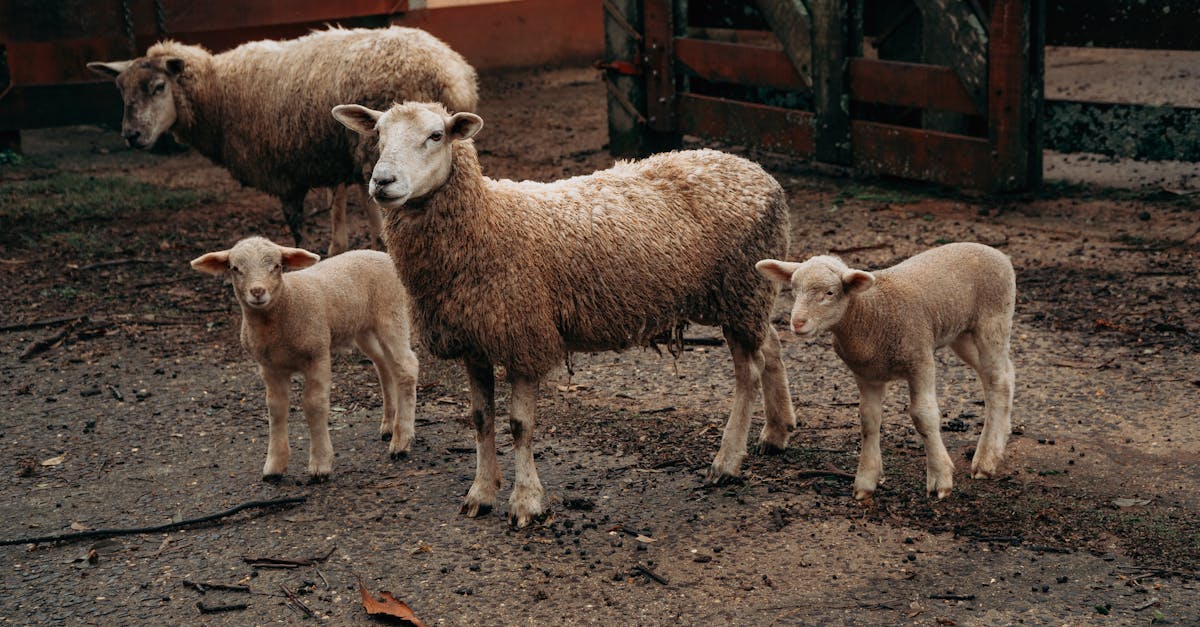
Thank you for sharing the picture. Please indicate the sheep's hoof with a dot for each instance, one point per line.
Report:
(716, 478)
(273, 478)
(386, 437)
(315, 479)
(864, 495)
(521, 521)
(767, 448)
(475, 510)
(398, 455)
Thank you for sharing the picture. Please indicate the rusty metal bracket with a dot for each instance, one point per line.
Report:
(625, 68)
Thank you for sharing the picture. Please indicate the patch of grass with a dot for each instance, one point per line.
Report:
(8, 157)
(74, 197)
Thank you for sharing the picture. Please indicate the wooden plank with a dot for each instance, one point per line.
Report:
(182, 16)
(1011, 126)
(1123, 130)
(738, 63)
(831, 99)
(658, 34)
(792, 25)
(922, 155)
(953, 22)
(1153, 24)
(37, 106)
(628, 133)
(768, 127)
(909, 85)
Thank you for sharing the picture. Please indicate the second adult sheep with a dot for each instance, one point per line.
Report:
(261, 110)
(520, 274)
(886, 326)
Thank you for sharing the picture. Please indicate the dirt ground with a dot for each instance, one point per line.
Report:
(148, 412)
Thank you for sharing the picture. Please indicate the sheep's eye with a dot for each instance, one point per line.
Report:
(829, 293)
(437, 136)
(158, 89)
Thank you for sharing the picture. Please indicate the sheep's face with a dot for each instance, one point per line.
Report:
(822, 287)
(255, 267)
(147, 86)
(415, 147)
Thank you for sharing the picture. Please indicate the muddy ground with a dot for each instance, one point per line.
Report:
(148, 411)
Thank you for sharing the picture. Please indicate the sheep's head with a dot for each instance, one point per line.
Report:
(147, 86)
(255, 267)
(822, 287)
(415, 147)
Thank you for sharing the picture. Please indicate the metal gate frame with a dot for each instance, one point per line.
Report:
(861, 112)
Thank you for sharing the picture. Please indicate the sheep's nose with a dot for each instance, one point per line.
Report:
(383, 180)
(257, 292)
(131, 136)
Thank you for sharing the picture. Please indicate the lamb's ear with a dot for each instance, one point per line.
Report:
(212, 263)
(357, 117)
(777, 270)
(296, 258)
(174, 66)
(109, 68)
(856, 281)
(463, 125)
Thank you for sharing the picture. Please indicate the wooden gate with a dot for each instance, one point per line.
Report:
(937, 90)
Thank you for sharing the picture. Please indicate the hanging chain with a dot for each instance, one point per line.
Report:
(160, 18)
(129, 26)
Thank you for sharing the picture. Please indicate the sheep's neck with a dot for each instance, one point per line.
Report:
(200, 103)
(860, 334)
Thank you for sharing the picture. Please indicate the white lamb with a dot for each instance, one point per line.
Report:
(291, 322)
(887, 325)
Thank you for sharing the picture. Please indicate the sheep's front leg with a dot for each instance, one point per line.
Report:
(374, 217)
(293, 215)
(316, 412)
(339, 242)
(746, 374)
(481, 498)
(870, 460)
(922, 391)
(278, 451)
(526, 500)
(777, 400)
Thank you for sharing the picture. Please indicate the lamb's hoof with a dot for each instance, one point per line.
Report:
(318, 478)
(717, 478)
(767, 448)
(273, 478)
(517, 521)
(938, 491)
(398, 455)
(475, 510)
(864, 495)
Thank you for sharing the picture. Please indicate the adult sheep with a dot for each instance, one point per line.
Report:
(261, 110)
(520, 274)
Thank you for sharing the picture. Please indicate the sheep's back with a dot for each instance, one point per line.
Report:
(277, 97)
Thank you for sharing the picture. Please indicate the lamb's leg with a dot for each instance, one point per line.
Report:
(374, 217)
(339, 242)
(777, 400)
(870, 460)
(404, 382)
(922, 392)
(293, 215)
(278, 451)
(316, 412)
(747, 378)
(525, 503)
(995, 371)
(372, 347)
(481, 498)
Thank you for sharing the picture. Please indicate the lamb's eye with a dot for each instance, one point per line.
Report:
(235, 270)
(278, 267)
(436, 136)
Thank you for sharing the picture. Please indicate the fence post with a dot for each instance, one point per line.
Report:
(1014, 89)
(831, 95)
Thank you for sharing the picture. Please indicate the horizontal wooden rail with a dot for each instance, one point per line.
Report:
(909, 85)
(745, 123)
(738, 63)
(912, 153)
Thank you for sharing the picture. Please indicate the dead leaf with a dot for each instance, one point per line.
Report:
(78, 526)
(1121, 503)
(389, 606)
(54, 461)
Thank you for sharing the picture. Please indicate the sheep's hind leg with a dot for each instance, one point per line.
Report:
(870, 460)
(339, 242)
(525, 503)
(481, 498)
(278, 451)
(370, 345)
(374, 217)
(747, 376)
(293, 215)
(995, 369)
(922, 392)
(777, 400)
(316, 412)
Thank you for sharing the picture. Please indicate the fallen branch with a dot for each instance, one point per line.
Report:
(275, 562)
(802, 473)
(651, 574)
(213, 609)
(37, 324)
(117, 262)
(105, 533)
(205, 587)
(40, 346)
(953, 597)
(296, 601)
(858, 249)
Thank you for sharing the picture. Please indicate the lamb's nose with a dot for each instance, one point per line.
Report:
(131, 136)
(798, 324)
(257, 292)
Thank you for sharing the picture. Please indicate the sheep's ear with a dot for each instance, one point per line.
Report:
(856, 281)
(174, 66)
(777, 270)
(357, 117)
(109, 68)
(463, 125)
(296, 258)
(212, 263)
